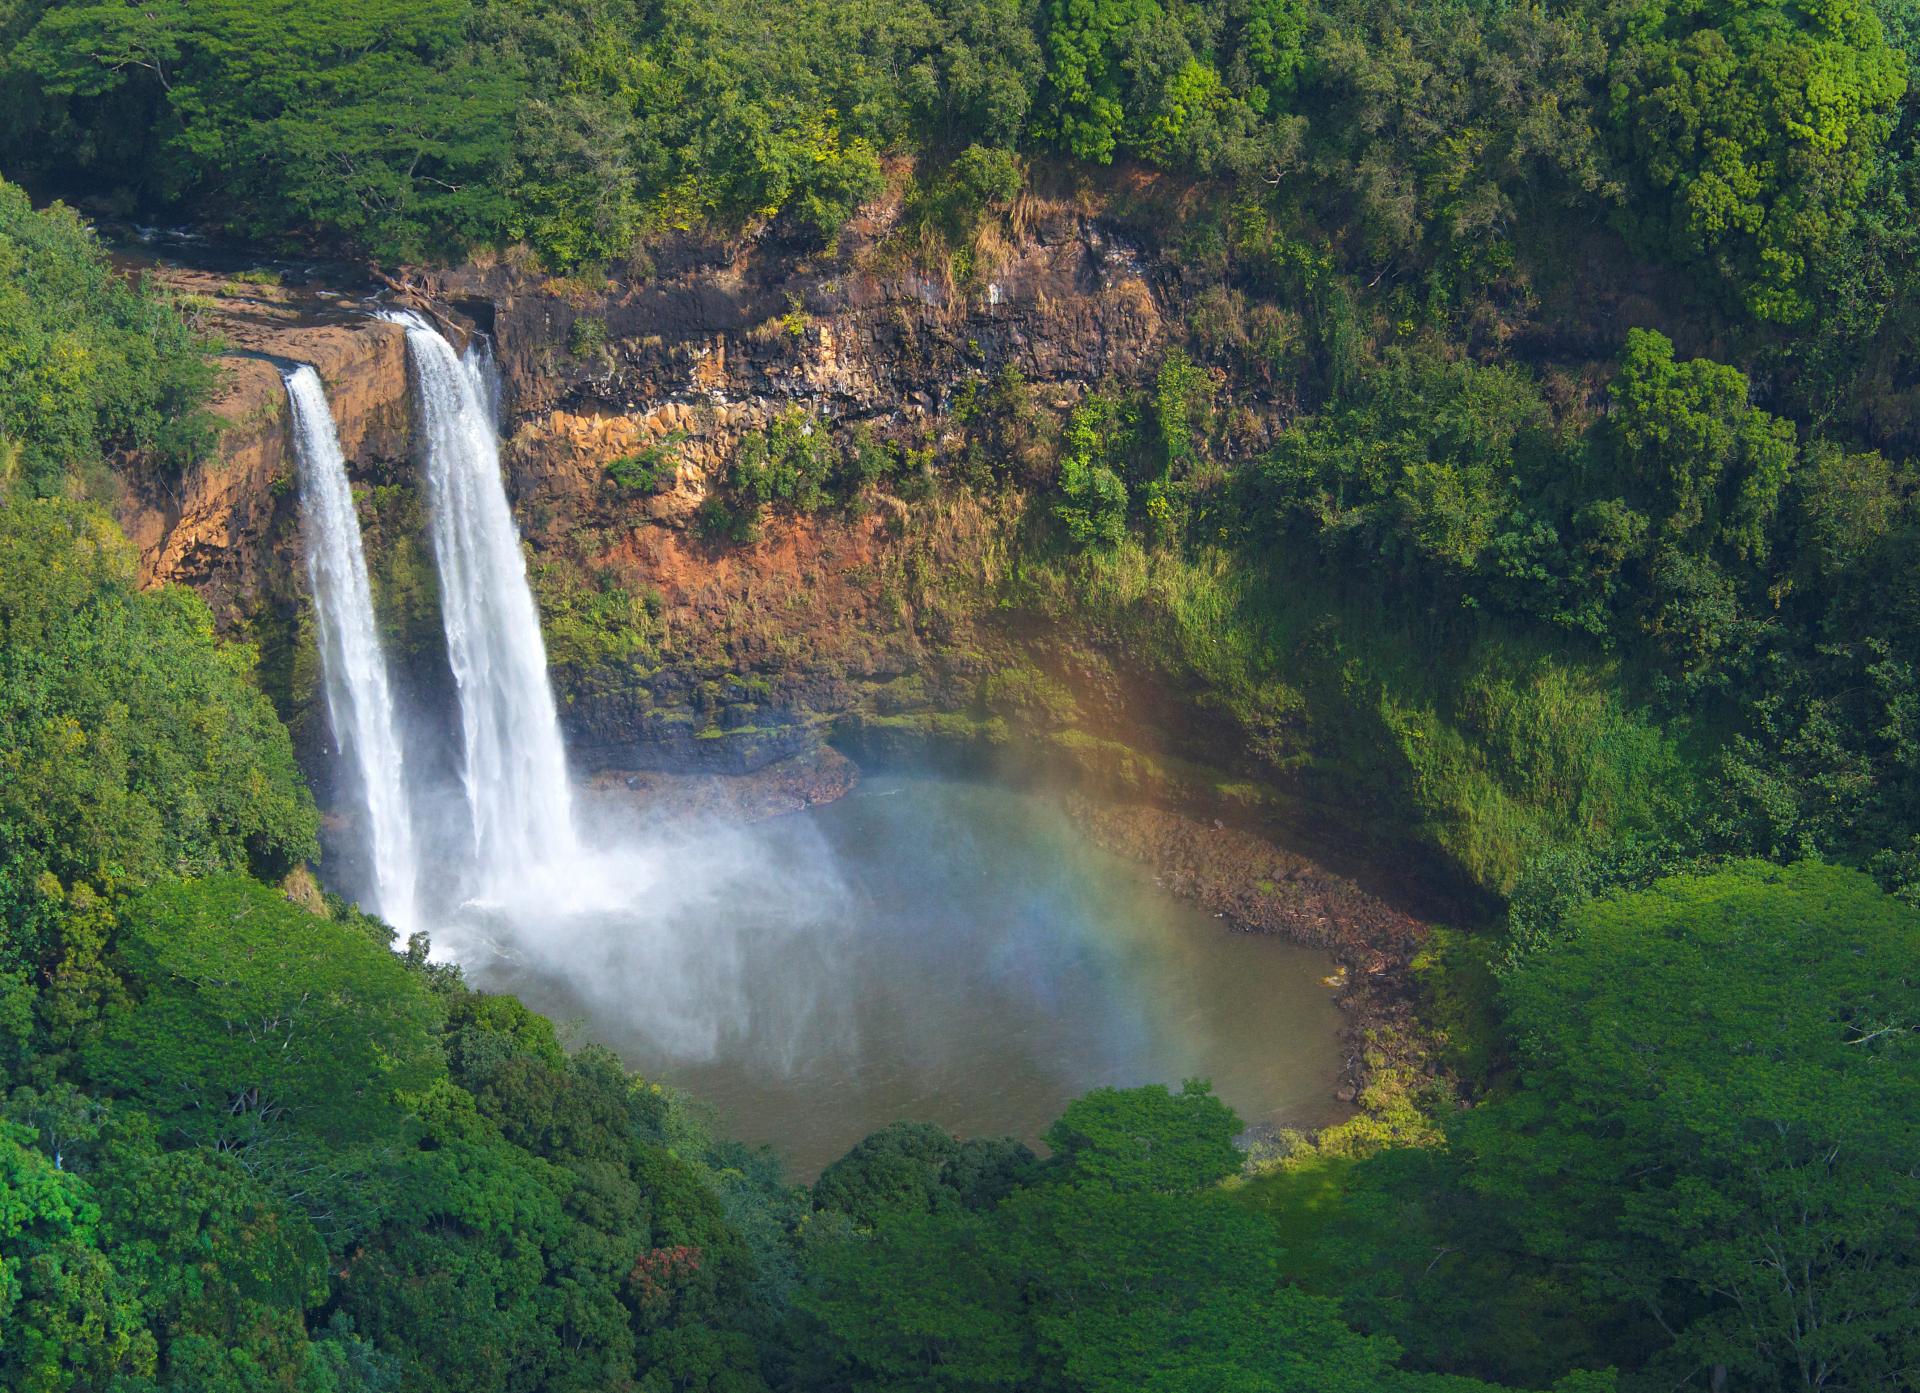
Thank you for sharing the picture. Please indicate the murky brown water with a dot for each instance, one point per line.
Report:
(949, 952)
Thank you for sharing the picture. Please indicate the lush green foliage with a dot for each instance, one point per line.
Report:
(406, 129)
(1757, 124)
(1715, 1108)
(88, 364)
(1643, 527)
(1698, 1172)
(1422, 502)
(289, 1157)
(259, 1020)
(380, 123)
(1755, 139)
(798, 464)
(135, 746)
(915, 1168)
(1116, 1265)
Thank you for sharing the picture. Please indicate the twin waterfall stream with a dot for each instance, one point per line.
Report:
(514, 771)
(516, 767)
(922, 949)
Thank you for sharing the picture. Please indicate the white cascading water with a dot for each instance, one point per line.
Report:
(354, 671)
(646, 922)
(516, 767)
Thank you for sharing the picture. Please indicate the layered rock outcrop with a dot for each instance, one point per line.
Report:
(215, 528)
(753, 650)
(871, 627)
(699, 353)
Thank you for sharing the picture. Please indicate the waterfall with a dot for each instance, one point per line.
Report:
(359, 697)
(516, 767)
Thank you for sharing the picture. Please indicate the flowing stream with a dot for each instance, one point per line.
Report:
(515, 772)
(354, 670)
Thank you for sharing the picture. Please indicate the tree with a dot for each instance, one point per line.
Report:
(1756, 125)
(1093, 506)
(89, 364)
(1702, 472)
(1147, 1139)
(371, 121)
(66, 1319)
(223, 1274)
(1086, 40)
(931, 1301)
(136, 745)
(1177, 1293)
(915, 1167)
(1705, 464)
(1132, 77)
(1432, 129)
(1120, 1268)
(977, 81)
(1721, 1102)
(256, 1022)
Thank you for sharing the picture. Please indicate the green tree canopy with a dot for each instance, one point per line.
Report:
(1122, 1268)
(1147, 1139)
(1757, 123)
(915, 1167)
(136, 745)
(1721, 1103)
(1705, 464)
(373, 121)
(89, 364)
(1133, 77)
(253, 1018)
(67, 1320)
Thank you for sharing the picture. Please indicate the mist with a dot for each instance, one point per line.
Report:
(701, 939)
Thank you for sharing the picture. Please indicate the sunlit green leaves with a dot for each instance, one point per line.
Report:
(255, 1021)
(1757, 122)
(88, 363)
(1722, 1101)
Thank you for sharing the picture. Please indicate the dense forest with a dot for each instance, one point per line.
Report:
(1621, 625)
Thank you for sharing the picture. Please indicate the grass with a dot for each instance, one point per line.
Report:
(1487, 744)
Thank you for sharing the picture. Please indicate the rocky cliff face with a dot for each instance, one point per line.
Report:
(758, 649)
(702, 351)
(672, 647)
(217, 529)
(1070, 303)
(873, 626)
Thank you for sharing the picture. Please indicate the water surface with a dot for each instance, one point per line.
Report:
(943, 951)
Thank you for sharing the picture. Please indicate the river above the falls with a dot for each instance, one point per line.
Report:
(924, 949)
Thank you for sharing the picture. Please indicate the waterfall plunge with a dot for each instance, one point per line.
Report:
(516, 768)
(359, 697)
(649, 922)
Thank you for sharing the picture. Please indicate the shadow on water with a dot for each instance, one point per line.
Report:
(925, 948)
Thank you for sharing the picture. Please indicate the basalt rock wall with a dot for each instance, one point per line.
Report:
(221, 526)
(869, 625)
(711, 344)
(759, 649)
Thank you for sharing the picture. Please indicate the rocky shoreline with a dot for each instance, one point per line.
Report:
(773, 790)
